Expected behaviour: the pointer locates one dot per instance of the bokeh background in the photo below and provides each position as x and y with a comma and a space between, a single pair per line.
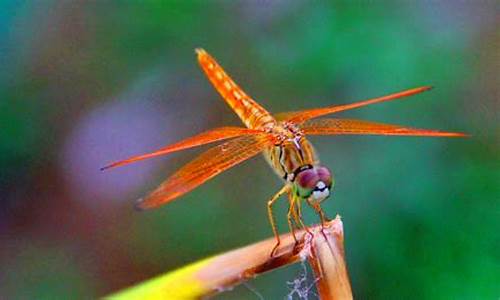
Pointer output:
85, 83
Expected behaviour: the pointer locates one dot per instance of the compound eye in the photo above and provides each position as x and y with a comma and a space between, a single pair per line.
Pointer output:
325, 175
306, 181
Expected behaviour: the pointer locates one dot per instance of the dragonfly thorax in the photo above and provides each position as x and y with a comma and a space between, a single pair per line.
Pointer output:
284, 132
291, 151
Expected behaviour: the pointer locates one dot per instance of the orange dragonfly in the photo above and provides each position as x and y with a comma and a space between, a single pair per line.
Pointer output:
282, 140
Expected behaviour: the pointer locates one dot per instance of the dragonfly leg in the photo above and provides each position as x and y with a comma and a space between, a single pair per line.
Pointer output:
298, 218
290, 216
271, 216
321, 214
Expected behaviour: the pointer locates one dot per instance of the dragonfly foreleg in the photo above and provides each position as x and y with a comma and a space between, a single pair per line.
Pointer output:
321, 213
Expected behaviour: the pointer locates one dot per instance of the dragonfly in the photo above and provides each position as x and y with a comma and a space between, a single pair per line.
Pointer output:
281, 138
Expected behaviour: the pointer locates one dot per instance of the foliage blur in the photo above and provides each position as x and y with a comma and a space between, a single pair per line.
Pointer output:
85, 83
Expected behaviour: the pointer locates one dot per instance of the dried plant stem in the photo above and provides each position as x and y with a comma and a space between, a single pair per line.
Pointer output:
322, 247
328, 263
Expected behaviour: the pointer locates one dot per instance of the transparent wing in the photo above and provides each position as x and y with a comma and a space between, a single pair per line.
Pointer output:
304, 115
206, 137
347, 126
206, 166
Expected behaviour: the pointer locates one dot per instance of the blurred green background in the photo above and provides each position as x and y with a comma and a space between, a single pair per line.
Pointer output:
84, 83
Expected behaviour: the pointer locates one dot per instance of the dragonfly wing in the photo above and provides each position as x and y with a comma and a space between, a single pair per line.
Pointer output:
304, 115
206, 137
206, 166
351, 127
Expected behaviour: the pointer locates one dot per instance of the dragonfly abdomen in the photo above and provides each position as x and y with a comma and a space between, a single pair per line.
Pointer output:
251, 113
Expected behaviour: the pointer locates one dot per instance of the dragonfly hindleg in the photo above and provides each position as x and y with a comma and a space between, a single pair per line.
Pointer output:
298, 216
270, 203
291, 217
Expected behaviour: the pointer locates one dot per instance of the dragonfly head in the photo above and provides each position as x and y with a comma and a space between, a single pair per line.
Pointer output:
314, 183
